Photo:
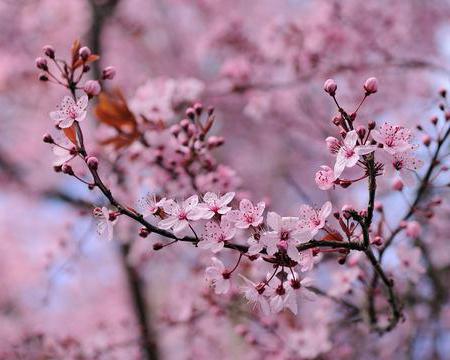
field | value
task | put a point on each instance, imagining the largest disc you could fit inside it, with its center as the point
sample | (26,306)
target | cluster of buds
(69,74)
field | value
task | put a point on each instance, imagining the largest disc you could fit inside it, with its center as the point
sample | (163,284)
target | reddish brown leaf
(333,236)
(71,134)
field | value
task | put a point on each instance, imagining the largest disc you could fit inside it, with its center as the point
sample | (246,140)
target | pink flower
(394,138)
(343,280)
(410,265)
(314,219)
(325,178)
(213,204)
(150,205)
(413,229)
(218,276)
(349,152)
(403,163)
(69,111)
(247,215)
(215,235)
(180,214)
(285,235)
(254,293)
(105,227)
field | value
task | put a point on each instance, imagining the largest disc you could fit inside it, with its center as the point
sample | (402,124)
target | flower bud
(108,73)
(84,53)
(426,140)
(43,77)
(378,206)
(92,88)
(371,86)
(215,141)
(443,92)
(447,116)
(47,138)
(371,125)
(190,113)
(49,51)
(92,162)
(397,185)
(157,246)
(330,87)
(361,130)
(434,120)
(282,245)
(41,63)
(198,108)
(143,232)
(184,124)
(67,169)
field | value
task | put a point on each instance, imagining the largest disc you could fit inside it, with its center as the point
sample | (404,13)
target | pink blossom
(325,178)
(349,152)
(216,235)
(105,227)
(150,205)
(314,219)
(180,214)
(285,234)
(69,111)
(218,276)
(254,293)
(247,215)
(394,138)
(343,280)
(413,229)
(404,164)
(213,204)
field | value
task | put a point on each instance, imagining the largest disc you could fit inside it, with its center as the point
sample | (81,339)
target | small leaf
(71,134)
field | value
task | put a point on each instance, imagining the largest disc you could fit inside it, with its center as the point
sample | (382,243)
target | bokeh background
(261,64)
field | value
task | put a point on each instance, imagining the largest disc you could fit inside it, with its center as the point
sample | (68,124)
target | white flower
(150,205)
(247,215)
(349,152)
(394,138)
(404,164)
(254,293)
(218,276)
(285,234)
(215,235)
(180,214)
(69,111)
(105,227)
(314,219)
(213,204)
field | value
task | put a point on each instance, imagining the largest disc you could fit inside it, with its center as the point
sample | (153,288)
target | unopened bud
(143,232)
(198,108)
(371,86)
(443,92)
(157,246)
(84,53)
(108,73)
(371,125)
(47,138)
(92,88)
(330,87)
(92,162)
(434,120)
(41,63)
(426,139)
(43,77)
(49,51)
(361,131)
(190,113)
(67,169)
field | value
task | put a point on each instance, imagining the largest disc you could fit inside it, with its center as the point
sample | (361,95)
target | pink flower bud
(43,77)
(397,185)
(84,53)
(190,113)
(426,139)
(371,86)
(108,73)
(49,51)
(143,232)
(92,162)
(67,169)
(41,63)
(434,120)
(47,138)
(330,87)
(413,229)
(92,88)
(361,130)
